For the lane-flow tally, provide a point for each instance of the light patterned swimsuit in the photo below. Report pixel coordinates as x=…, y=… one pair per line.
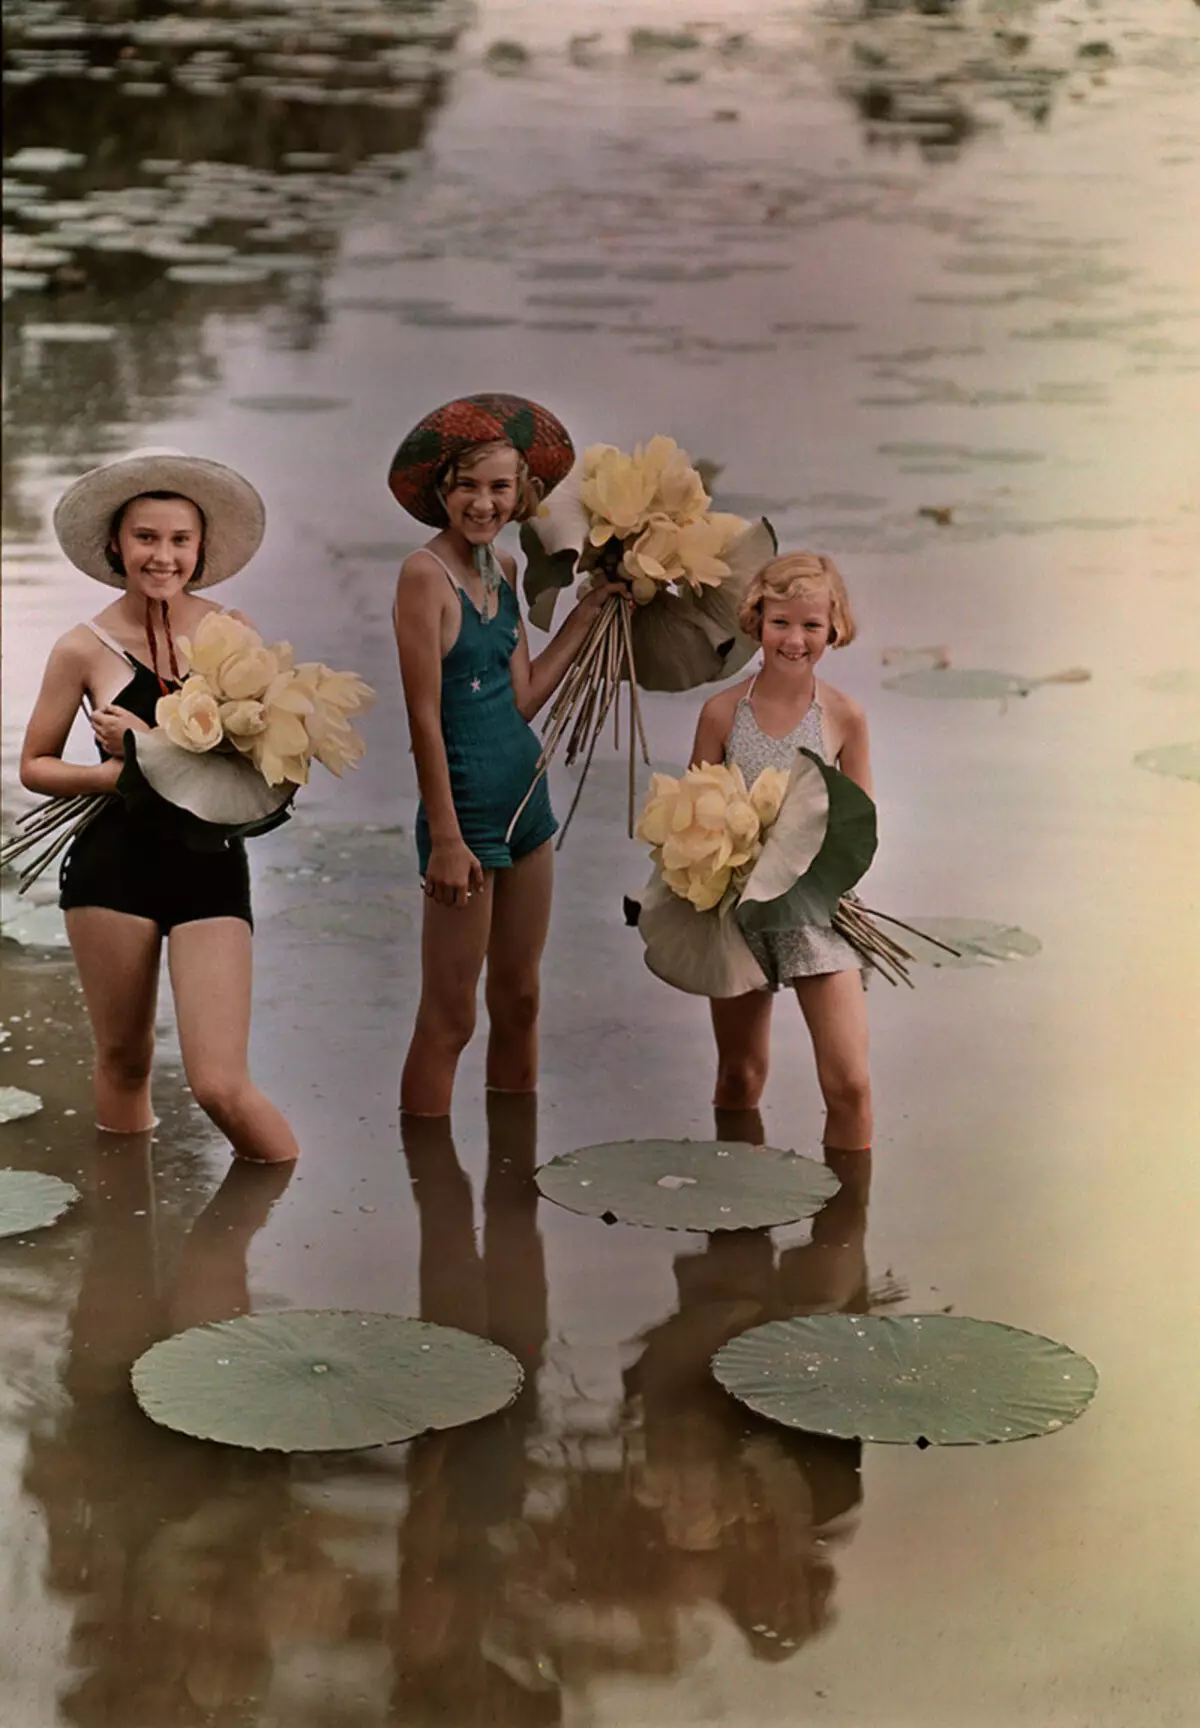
x=807, y=950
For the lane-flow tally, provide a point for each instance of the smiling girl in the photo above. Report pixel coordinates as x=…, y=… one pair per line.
x=157, y=525
x=471, y=689
x=797, y=607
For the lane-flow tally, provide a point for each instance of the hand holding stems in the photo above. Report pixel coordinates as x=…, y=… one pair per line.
x=110, y=725
x=453, y=873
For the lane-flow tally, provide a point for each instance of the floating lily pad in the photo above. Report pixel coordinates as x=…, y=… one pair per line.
x=978, y=941
x=217, y=275
x=959, y=684
x=29, y=1200
x=69, y=332
x=35, y=159
x=290, y=404
x=322, y=1380
x=31, y=926
x=15, y=1104
x=1181, y=761
x=912, y=1379
x=688, y=1184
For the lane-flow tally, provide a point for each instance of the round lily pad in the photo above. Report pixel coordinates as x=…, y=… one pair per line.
x=29, y=1199
x=322, y=1380
x=978, y=942
x=959, y=683
x=1181, y=761
x=912, y=1379
x=15, y=1104
x=688, y=1184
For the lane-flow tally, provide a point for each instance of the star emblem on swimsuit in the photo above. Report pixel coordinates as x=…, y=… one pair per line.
x=476, y=686
x=516, y=630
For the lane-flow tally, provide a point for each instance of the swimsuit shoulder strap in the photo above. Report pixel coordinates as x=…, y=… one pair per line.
x=450, y=576
x=108, y=640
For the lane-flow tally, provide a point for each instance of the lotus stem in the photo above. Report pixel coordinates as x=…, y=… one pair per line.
x=912, y=930
x=635, y=703
x=70, y=819
x=877, y=949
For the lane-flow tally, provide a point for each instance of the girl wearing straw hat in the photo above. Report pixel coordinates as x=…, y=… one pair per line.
x=471, y=689
x=157, y=525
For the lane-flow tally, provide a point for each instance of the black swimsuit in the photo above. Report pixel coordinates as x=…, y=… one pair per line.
x=129, y=862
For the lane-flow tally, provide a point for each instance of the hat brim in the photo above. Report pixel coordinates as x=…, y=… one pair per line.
x=458, y=426
x=234, y=514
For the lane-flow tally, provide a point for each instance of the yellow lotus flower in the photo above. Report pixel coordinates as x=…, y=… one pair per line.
x=698, y=547
x=343, y=691
x=243, y=719
x=190, y=717
x=703, y=829
x=681, y=493
x=617, y=491
x=246, y=674
x=655, y=552
x=288, y=692
x=217, y=639
x=766, y=795
x=281, y=750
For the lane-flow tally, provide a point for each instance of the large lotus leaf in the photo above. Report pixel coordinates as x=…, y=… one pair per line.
x=978, y=942
x=1181, y=761
x=688, y=1184
x=217, y=786
x=683, y=640
x=314, y=1380
x=923, y=1379
x=960, y=683
x=29, y=1200
x=795, y=837
x=546, y=575
x=703, y=953
x=845, y=855
x=16, y=1104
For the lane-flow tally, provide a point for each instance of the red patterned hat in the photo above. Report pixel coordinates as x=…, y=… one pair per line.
x=541, y=438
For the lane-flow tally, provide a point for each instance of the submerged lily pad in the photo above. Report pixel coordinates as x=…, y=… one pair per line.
x=1181, y=761
x=688, y=1184
x=322, y=1380
x=15, y=1104
x=978, y=941
x=959, y=684
x=29, y=1199
x=217, y=275
x=911, y=1379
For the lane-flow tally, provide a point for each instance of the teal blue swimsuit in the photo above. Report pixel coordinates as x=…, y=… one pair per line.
x=493, y=753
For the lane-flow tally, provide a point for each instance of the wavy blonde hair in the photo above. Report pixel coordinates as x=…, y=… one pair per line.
x=794, y=576
x=529, y=490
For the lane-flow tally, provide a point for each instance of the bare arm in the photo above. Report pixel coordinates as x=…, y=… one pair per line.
x=417, y=620
x=42, y=767
x=535, y=681
x=712, y=732
x=854, y=757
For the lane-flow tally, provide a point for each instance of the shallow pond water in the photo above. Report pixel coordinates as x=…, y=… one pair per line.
x=920, y=278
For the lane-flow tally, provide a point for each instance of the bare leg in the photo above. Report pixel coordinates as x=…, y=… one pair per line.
x=742, y=1026
x=211, y=971
x=454, y=940
x=520, y=924
x=835, y=1009
x=118, y=956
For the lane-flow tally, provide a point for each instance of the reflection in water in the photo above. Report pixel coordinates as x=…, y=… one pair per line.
x=531, y=1563
x=165, y=1547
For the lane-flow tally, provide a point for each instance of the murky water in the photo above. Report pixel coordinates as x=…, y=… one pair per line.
x=921, y=277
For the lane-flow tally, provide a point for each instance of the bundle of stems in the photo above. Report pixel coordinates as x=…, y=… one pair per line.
x=590, y=690
x=856, y=923
x=47, y=830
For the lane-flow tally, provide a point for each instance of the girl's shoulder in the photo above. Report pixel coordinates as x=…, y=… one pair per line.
x=840, y=707
x=423, y=568
x=723, y=706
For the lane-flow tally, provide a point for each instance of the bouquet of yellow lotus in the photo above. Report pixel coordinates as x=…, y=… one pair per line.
x=229, y=749
x=732, y=860
x=646, y=520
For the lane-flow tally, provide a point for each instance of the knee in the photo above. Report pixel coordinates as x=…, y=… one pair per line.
x=513, y=1006
x=126, y=1066
x=449, y=1025
x=219, y=1095
x=847, y=1091
x=740, y=1081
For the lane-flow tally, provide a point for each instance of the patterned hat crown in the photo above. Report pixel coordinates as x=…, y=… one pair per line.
x=457, y=426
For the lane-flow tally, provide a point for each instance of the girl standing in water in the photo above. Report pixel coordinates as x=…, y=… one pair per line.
x=471, y=689
x=157, y=525
x=797, y=606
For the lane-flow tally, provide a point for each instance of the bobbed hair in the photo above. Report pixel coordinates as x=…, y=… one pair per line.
x=529, y=490
x=794, y=576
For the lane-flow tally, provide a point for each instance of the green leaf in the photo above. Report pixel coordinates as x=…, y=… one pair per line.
x=29, y=1199
x=1180, y=761
x=688, y=1184
x=795, y=837
x=322, y=1380
x=960, y=684
x=546, y=575
x=845, y=855
x=924, y=1379
x=978, y=941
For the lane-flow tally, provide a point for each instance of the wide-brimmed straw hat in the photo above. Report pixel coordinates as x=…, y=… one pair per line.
x=540, y=436
x=234, y=514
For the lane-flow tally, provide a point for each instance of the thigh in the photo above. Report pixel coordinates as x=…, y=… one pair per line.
x=211, y=973
x=117, y=956
x=742, y=1026
x=834, y=1006
x=521, y=917
x=454, y=941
